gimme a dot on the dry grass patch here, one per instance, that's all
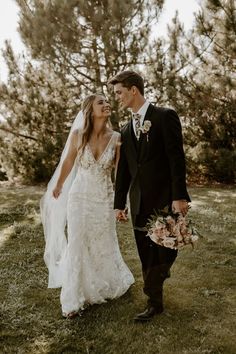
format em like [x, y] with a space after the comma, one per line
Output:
[199, 297]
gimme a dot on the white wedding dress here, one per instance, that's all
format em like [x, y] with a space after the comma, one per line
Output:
[93, 268]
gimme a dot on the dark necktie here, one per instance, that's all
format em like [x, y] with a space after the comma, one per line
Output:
[137, 124]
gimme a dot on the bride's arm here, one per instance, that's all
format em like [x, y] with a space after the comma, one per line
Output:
[67, 164]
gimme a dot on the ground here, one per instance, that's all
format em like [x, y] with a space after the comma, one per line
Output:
[200, 297]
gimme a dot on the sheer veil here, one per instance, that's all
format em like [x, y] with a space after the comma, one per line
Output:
[53, 215]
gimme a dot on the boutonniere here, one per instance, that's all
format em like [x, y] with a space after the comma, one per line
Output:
[146, 127]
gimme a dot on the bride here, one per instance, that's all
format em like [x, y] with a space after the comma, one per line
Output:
[87, 265]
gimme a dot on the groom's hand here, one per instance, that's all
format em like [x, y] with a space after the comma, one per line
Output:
[180, 206]
[121, 215]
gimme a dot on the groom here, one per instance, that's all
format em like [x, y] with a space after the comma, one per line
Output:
[152, 169]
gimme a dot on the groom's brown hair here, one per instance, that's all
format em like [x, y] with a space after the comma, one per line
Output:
[128, 78]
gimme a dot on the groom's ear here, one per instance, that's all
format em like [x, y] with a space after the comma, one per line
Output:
[134, 90]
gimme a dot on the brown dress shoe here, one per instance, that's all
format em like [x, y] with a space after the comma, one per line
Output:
[148, 314]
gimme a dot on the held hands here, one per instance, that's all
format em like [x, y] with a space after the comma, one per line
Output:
[180, 206]
[56, 191]
[121, 215]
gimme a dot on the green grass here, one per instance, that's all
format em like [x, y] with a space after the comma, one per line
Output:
[200, 300]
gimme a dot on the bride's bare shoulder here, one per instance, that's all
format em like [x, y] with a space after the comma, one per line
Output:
[117, 135]
[114, 132]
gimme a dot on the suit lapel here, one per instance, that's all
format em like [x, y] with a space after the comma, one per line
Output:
[143, 143]
[132, 142]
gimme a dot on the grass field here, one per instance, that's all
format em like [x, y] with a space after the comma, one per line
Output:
[200, 297]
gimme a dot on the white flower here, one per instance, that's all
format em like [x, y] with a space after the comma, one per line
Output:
[145, 127]
[194, 238]
[169, 242]
[159, 224]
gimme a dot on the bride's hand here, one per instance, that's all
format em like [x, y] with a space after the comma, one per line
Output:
[56, 191]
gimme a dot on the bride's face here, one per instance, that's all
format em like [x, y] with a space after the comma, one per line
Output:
[101, 107]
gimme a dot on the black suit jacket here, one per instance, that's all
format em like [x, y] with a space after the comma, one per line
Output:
[153, 169]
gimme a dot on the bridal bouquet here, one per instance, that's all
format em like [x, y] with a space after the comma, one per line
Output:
[171, 230]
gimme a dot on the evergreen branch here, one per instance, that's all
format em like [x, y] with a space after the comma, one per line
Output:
[134, 15]
[18, 134]
[82, 83]
[69, 64]
[199, 88]
[206, 33]
[224, 9]
[24, 4]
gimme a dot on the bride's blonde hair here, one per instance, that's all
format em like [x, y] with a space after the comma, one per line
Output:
[87, 109]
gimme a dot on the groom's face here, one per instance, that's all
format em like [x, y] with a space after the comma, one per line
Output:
[124, 96]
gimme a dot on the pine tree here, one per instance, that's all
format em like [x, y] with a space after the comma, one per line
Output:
[195, 74]
[78, 45]
[215, 87]
[38, 107]
[168, 61]
[89, 41]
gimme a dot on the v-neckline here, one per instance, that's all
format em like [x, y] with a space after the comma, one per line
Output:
[106, 147]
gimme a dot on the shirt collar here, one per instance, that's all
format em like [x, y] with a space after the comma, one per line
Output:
[143, 110]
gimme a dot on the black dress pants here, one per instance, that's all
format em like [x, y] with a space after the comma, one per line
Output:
[156, 262]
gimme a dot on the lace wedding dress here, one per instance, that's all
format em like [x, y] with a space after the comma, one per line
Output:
[93, 268]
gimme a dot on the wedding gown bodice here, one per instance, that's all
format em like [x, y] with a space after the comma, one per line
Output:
[93, 179]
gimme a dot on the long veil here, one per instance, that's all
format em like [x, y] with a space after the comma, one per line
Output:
[53, 215]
